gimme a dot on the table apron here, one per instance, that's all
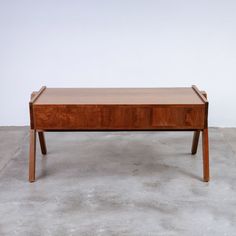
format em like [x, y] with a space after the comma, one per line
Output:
[118, 117]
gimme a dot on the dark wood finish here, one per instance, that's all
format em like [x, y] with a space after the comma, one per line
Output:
[40, 133]
[205, 152]
[118, 109]
[42, 143]
[204, 99]
[72, 117]
[178, 117]
[111, 108]
[196, 135]
[34, 97]
[197, 132]
[32, 154]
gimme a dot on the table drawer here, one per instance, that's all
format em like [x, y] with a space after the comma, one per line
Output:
[178, 117]
[117, 117]
[66, 117]
[73, 117]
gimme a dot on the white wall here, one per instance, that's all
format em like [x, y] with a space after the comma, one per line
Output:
[122, 43]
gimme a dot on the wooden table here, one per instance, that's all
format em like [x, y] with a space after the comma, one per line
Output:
[118, 109]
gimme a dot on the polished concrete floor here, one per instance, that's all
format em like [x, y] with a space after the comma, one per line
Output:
[124, 183]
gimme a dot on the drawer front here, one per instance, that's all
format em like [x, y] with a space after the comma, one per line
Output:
[178, 117]
[74, 117]
[117, 117]
[66, 117]
[126, 117]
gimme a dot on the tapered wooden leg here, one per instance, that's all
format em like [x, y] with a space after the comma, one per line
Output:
[205, 152]
[42, 143]
[196, 135]
[32, 152]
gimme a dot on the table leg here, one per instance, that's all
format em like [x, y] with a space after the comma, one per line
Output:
[196, 135]
[32, 153]
[205, 152]
[42, 142]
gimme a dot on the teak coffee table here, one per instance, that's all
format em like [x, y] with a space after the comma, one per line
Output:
[118, 109]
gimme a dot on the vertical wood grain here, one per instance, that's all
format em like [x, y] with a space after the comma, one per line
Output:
[42, 142]
[196, 135]
[205, 153]
[32, 153]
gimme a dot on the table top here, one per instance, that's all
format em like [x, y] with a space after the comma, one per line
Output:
[121, 96]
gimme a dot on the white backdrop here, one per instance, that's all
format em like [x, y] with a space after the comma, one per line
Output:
[122, 43]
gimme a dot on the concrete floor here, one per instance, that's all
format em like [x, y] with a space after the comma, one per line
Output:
[124, 183]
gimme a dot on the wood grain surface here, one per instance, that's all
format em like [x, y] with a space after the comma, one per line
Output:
[121, 96]
[110, 109]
